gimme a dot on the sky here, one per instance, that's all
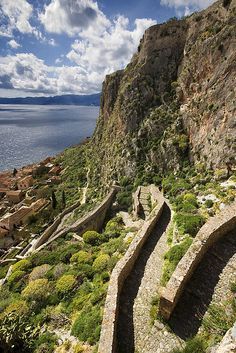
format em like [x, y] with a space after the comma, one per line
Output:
[53, 47]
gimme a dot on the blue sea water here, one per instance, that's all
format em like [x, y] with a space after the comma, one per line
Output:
[30, 133]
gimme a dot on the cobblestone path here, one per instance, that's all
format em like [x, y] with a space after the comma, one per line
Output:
[210, 282]
[138, 290]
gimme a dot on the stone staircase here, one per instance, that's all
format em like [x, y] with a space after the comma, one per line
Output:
[144, 197]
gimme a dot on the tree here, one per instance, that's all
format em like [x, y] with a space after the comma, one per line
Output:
[63, 196]
[54, 200]
[14, 172]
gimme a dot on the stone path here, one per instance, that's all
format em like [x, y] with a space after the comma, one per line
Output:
[139, 288]
[210, 282]
[143, 198]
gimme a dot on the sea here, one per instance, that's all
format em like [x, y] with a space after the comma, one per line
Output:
[30, 133]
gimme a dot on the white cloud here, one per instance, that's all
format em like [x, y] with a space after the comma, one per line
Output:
[52, 42]
[72, 17]
[110, 51]
[13, 44]
[187, 6]
[101, 47]
[17, 13]
[26, 72]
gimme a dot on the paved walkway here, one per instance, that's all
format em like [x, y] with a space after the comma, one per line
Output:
[140, 287]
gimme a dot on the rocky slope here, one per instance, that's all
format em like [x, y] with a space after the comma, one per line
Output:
[174, 102]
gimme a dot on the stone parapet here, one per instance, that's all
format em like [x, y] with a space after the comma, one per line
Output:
[215, 228]
[92, 221]
[121, 271]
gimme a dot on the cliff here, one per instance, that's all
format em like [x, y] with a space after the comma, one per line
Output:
[174, 103]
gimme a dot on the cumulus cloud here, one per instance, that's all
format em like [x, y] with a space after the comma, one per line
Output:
[17, 15]
[73, 16]
[26, 72]
[93, 57]
[100, 47]
[13, 44]
[187, 6]
[110, 51]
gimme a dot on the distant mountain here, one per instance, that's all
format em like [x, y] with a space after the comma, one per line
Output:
[69, 99]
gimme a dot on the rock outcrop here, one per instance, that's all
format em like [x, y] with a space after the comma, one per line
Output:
[175, 101]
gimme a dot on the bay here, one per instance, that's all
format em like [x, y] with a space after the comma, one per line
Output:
[30, 133]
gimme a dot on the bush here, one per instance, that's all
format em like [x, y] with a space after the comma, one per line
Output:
[91, 237]
[78, 348]
[81, 257]
[195, 345]
[233, 287]
[87, 326]
[188, 223]
[191, 198]
[19, 307]
[39, 272]
[46, 343]
[15, 277]
[37, 290]
[114, 227]
[209, 203]
[101, 262]
[21, 265]
[172, 258]
[65, 284]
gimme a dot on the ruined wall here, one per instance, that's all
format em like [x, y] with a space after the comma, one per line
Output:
[210, 233]
[53, 227]
[92, 221]
[121, 271]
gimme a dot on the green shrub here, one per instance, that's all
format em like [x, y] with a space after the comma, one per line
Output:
[191, 198]
[65, 284]
[21, 265]
[233, 287]
[209, 203]
[194, 345]
[37, 290]
[188, 223]
[78, 348]
[46, 343]
[19, 307]
[114, 227]
[87, 326]
[172, 258]
[17, 333]
[3, 271]
[91, 237]
[15, 277]
[81, 257]
[101, 262]
[39, 272]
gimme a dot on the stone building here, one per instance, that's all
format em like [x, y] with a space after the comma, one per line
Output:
[25, 182]
[14, 196]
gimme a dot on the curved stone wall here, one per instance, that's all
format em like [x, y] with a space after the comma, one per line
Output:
[212, 231]
[121, 271]
[92, 221]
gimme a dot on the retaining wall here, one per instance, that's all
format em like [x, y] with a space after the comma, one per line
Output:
[92, 221]
[121, 271]
[211, 232]
[53, 227]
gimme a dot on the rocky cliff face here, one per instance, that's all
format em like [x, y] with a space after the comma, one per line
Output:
[174, 102]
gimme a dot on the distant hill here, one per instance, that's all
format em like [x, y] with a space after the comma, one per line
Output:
[69, 99]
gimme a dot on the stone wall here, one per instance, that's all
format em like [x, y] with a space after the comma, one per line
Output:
[211, 232]
[121, 271]
[53, 227]
[92, 221]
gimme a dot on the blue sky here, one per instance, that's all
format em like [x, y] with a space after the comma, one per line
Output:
[50, 47]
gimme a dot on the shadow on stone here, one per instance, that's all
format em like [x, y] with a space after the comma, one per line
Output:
[193, 304]
[125, 326]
